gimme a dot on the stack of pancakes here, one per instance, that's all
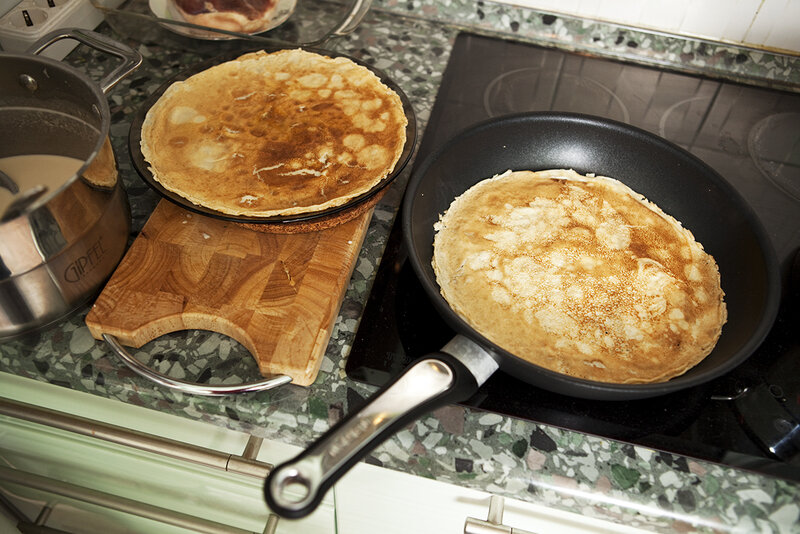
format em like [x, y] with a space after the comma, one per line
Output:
[580, 275]
[285, 133]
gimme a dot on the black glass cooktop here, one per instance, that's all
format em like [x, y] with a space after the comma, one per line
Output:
[749, 418]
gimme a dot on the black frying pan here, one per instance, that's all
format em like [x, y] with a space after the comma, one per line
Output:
[675, 180]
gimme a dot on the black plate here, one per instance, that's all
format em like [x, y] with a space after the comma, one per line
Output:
[135, 137]
[672, 178]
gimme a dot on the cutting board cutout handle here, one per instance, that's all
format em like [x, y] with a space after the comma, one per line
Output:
[278, 295]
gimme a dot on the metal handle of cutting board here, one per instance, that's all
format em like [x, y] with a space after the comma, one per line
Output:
[191, 387]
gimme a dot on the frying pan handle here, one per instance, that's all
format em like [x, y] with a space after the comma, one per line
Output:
[294, 489]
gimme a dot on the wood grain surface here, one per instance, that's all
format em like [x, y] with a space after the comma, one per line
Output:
[276, 294]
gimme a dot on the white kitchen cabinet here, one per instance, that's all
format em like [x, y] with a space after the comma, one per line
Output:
[373, 499]
[60, 475]
[140, 491]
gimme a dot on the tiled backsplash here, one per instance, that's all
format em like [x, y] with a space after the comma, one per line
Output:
[771, 24]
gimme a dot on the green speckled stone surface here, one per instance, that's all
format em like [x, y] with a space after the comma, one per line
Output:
[411, 41]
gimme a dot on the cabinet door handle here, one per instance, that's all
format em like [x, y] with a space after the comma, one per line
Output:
[494, 521]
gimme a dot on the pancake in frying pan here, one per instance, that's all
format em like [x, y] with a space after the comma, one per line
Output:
[276, 134]
[580, 275]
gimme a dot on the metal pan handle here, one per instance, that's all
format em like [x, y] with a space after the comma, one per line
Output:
[131, 59]
[294, 489]
[191, 387]
[349, 23]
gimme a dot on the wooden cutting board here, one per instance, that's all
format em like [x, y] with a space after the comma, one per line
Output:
[276, 294]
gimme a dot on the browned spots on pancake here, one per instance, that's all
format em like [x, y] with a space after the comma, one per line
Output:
[580, 275]
[279, 140]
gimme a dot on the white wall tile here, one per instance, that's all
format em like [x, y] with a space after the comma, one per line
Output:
[786, 34]
[763, 20]
[707, 18]
[588, 8]
[776, 25]
[663, 16]
[621, 11]
[568, 7]
[740, 18]
[770, 23]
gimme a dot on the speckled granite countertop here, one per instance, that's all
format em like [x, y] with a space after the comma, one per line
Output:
[411, 40]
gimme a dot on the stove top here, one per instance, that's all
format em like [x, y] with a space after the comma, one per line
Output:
[748, 419]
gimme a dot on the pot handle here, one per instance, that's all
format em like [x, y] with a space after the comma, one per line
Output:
[295, 488]
[191, 387]
[350, 22]
[131, 59]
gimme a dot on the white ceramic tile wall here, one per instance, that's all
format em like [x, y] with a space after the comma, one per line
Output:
[771, 24]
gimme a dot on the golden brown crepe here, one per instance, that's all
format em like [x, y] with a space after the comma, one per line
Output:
[580, 275]
[275, 134]
[102, 172]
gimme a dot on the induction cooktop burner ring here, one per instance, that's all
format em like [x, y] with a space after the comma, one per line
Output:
[775, 149]
[662, 123]
[508, 84]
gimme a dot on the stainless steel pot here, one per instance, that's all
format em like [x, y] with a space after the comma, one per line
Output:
[57, 250]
